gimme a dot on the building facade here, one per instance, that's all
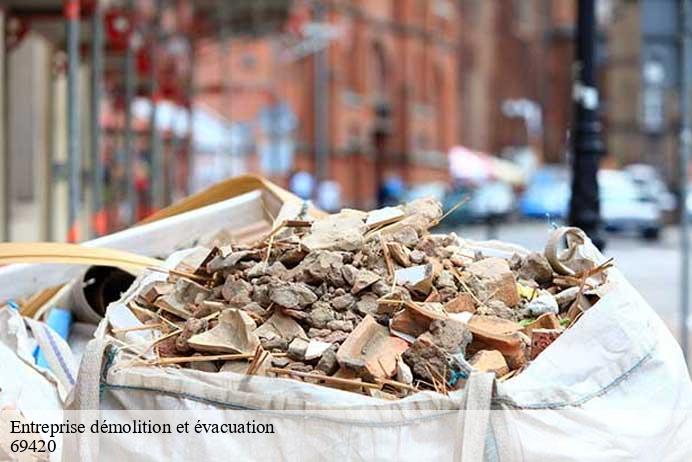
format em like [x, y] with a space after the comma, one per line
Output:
[392, 74]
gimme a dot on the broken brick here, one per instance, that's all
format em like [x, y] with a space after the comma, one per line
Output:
[460, 303]
[541, 339]
[544, 321]
[490, 361]
[370, 350]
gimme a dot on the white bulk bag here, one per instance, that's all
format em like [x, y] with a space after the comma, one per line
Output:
[612, 387]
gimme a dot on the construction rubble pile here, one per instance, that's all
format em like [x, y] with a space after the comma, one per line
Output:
[372, 303]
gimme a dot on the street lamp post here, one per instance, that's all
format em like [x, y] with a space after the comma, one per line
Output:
[587, 144]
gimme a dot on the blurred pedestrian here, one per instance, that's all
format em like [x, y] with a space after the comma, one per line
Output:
[329, 196]
[391, 192]
[302, 184]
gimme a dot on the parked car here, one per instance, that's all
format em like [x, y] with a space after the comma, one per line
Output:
[434, 189]
[547, 194]
[623, 208]
[651, 186]
[491, 200]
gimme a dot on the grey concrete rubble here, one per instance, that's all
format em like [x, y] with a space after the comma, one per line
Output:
[355, 298]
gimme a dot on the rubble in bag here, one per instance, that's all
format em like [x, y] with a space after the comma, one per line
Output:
[371, 303]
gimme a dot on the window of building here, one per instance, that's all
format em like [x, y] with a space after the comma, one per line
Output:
[379, 68]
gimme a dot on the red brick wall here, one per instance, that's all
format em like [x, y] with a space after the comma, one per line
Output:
[404, 50]
[444, 67]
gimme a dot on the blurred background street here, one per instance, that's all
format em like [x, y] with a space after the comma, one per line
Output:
[113, 109]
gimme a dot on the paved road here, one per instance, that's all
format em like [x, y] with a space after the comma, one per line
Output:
[652, 267]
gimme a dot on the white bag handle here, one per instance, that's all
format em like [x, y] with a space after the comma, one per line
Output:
[478, 392]
[86, 397]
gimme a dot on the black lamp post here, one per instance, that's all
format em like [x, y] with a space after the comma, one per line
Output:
[587, 144]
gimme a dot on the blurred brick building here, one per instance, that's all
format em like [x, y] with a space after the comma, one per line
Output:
[441, 69]
[514, 50]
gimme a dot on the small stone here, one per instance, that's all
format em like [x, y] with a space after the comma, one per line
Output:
[192, 327]
[292, 295]
[380, 288]
[417, 257]
[536, 267]
[346, 326]
[297, 349]
[313, 332]
[367, 305]
[341, 231]
[544, 303]
[349, 273]
[406, 235]
[320, 266]
[445, 279]
[274, 344]
[336, 336]
[403, 372]
[277, 270]
[422, 213]
[254, 307]
[237, 291]
[364, 279]
[489, 268]
[299, 367]
[427, 359]
[328, 363]
[280, 362]
[320, 315]
[497, 308]
[343, 302]
[447, 294]
[260, 295]
[293, 257]
[452, 336]
[258, 270]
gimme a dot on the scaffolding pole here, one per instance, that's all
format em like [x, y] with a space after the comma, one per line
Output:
[97, 175]
[71, 11]
[684, 154]
[189, 137]
[321, 104]
[157, 160]
[129, 158]
[4, 161]
[225, 64]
